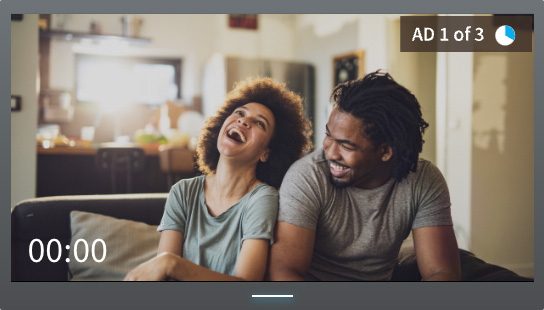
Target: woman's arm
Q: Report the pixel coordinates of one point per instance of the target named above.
(251, 266)
(171, 241)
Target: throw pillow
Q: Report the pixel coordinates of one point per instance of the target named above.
(128, 244)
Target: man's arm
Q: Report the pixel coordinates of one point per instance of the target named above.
(437, 253)
(291, 254)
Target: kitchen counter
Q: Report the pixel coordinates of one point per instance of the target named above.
(65, 170)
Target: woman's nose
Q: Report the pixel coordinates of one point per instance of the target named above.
(242, 121)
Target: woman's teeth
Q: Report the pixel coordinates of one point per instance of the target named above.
(237, 135)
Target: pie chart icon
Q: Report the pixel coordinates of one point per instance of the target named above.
(505, 35)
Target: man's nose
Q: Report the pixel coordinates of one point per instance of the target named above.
(331, 149)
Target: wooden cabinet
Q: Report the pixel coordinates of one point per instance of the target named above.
(72, 171)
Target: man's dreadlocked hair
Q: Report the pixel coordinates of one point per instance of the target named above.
(390, 114)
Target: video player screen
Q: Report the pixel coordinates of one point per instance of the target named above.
(92, 179)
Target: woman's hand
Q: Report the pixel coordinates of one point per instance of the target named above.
(167, 266)
(157, 269)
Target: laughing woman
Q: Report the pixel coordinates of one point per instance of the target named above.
(219, 226)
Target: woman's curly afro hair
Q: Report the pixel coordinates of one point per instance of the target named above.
(290, 139)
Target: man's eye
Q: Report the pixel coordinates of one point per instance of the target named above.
(328, 135)
(347, 147)
(260, 124)
(239, 112)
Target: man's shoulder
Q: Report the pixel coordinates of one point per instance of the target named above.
(312, 168)
(425, 166)
(426, 174)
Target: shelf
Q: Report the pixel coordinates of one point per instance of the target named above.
(68, 150)
(78, 36)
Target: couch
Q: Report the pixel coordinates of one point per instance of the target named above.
(127, 223)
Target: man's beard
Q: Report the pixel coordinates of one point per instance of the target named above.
(337, 183)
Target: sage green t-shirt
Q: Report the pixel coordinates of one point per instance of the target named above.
(215, 242)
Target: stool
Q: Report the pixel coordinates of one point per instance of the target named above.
(176, 162)
(118, 158)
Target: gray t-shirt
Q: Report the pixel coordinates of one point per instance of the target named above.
(359, 231)
(215, 242)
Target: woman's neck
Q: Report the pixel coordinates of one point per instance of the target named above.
(228, 185)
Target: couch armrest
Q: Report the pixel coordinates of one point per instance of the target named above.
(49, 218)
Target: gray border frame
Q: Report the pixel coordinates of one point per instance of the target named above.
(331, 295)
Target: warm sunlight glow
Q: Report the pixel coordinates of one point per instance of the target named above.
(107, 81)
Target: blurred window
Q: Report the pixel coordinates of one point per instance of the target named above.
(104, 79)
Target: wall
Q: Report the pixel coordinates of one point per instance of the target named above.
(503, 160)
(454, 123)
(24, 74)
(319, 38)
(274, 38)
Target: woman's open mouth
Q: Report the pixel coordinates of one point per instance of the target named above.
(236, 135)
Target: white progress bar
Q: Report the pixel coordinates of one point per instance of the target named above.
(273, 296)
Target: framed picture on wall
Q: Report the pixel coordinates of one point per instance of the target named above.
(243, 21)
(348, 67)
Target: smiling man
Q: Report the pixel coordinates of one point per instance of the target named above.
(346, 208)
